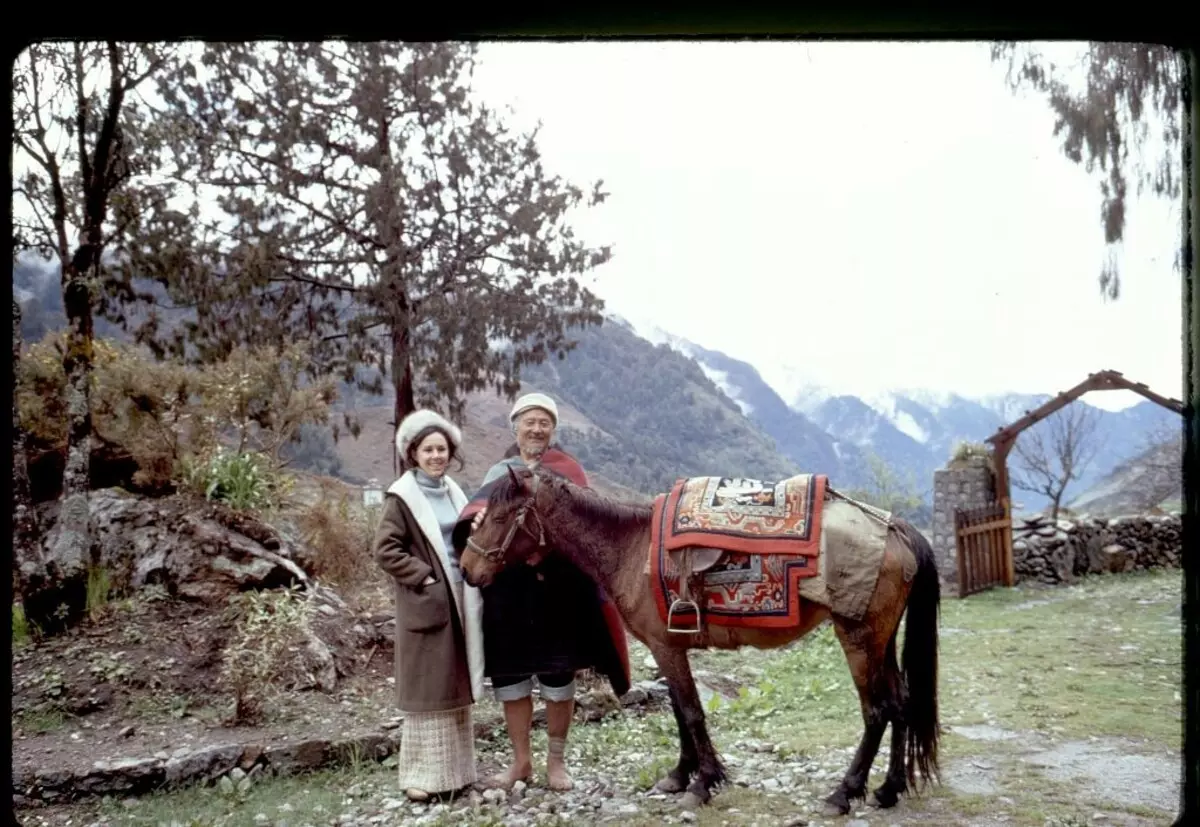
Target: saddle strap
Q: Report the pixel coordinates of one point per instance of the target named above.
(685, 575)
(871, 511)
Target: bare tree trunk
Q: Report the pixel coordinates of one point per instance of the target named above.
(402, 381)
(77, 367)
(28, 565)
(393, 282)
(60, 600)
(69, 542)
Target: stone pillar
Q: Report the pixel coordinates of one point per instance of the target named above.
(959, 486)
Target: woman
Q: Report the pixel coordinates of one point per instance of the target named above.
(439, 642)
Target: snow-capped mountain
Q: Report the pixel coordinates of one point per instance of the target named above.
(914, 430)
(796, 436)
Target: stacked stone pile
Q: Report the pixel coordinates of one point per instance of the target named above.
(1059, 551)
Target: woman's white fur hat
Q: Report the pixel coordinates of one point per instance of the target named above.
(418, 421)
(534, 400)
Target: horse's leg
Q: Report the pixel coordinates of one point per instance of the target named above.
(865, 655)
(677, 779)
(709, 771)
(888, 793)
(912, 701)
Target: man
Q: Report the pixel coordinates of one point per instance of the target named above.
(546, 619)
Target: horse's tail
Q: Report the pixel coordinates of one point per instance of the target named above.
(920, 659)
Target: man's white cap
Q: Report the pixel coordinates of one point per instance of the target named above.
(534, 400)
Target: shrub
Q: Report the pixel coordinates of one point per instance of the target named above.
(270, 627)
(143, 406)
(965, 453)
(892, 492)
(261, 400)
(340, 536)
(244, 481)
(164, 413)
(21, 631)
(99, 585)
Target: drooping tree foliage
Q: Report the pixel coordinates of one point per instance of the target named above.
(1125, 118)
(367, 204)
(77, 187)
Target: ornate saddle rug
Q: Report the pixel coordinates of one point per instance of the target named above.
(750, 516)
(743, 545)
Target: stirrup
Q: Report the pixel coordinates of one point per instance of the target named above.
(684, 606)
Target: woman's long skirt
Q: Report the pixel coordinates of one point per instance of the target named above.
(437, 750)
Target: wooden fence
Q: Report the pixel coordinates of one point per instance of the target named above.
(983, 540)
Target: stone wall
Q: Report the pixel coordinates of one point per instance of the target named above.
(1060, 551)
(959, 486)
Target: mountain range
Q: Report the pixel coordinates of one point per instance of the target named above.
(643, 407)
(913, 431)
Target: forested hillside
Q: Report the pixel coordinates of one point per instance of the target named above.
(657, 416)
(645, 414)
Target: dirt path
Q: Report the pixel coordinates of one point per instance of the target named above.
(1109, 771)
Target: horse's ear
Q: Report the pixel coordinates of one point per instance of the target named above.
(523, 478)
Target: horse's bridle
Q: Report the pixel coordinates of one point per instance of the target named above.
(525, 509)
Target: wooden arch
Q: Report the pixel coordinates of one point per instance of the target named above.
(1106, 380)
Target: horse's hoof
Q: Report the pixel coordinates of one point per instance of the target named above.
(690, 801)
(835, 808)
(884, 798)
(668, 785)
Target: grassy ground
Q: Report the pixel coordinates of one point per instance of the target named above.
(1060, 707)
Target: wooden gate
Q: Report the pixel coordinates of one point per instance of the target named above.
(983, 540)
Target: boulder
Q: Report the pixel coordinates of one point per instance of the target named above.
(1115, 558)
(196, 549)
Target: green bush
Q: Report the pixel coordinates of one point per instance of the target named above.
(271, 625)
(21, 632)
(162, 412)
(971, 452)
(340, 534)
(99, 584)
(244, 481)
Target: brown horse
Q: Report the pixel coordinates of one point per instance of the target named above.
(609, 541)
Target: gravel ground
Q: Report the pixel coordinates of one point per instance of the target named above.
(1055, 715)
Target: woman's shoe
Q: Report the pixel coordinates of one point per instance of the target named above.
(415, 794)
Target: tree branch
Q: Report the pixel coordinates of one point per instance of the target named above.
(293, 276)
(82, 108)
(52, 169)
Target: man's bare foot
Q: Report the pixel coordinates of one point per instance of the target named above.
(557, 775)
(516, 772)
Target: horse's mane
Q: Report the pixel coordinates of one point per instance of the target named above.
(589, 502)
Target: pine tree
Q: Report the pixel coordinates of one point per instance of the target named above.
(370, 206)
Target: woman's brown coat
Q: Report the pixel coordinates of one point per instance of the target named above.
(432, 673)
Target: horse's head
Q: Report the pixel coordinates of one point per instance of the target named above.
(511, 530)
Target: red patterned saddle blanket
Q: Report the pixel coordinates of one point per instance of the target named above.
(735, 549)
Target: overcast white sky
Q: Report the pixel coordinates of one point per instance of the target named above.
(877, 215)
(864, 216)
